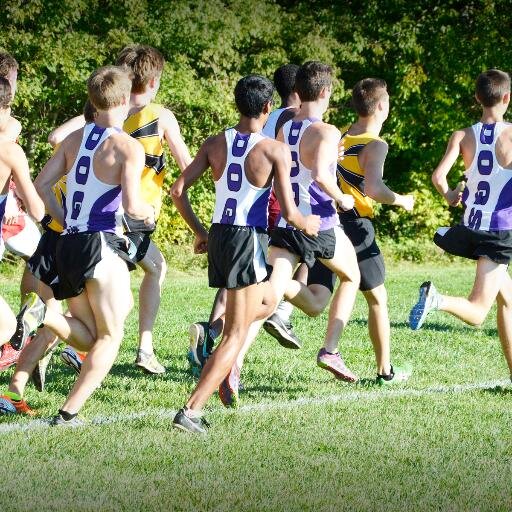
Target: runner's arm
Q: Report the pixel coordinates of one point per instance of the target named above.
(180, 197)
(372, 159)
(172, 135)
(441, 172)
(61, 132)
(282, 163)
(325, 157)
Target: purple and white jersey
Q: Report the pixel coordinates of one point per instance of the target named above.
(269, 130)
(309, 197)
(91, 205)
(237, 201)
(3, 202)
(488, 193)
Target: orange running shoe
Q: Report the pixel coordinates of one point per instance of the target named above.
(10, 406)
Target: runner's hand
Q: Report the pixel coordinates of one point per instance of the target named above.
(346, 202)
(407, 202)
(201, 243)
(312, 225)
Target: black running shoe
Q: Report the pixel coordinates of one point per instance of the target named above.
(193, 425)
(282, 331)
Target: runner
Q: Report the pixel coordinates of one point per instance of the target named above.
(485, 233)
(243, 163)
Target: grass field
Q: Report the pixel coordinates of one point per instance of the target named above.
(301, 441)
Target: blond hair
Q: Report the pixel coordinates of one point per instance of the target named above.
(107, 87)
(146, 63)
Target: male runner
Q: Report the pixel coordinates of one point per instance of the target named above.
(360, 174)
(103, 166)
(243, 163)
(42, 269)
(203, 334)
(314, 149)
(485, 233)
(150, 124)
(13, 164)
(19, 232)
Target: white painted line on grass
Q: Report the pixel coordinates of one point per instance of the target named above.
(350, 396)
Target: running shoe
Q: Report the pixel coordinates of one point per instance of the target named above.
(10, 406)
(29, 319)
(201, 346)
(282, 331)
(59, 421)
(8, 356)
(398, 375)
(335, 364)
(194, 425)
(72, 358)
(429, 300)
(149, 363)
(39, 373)
(229, 387)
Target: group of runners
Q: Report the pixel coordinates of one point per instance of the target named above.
(293, 215)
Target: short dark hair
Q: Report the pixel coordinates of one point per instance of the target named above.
(311, 78)
(5, 93)
(252, 93)
(284, 80)
(491, 85)
(7, 64)
(366, 94)
(89, 111)
(145, 61)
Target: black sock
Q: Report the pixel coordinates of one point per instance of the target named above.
(67, 415)
(387, 376)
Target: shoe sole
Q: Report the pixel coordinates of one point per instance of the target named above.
(19, 337)
(149, 370)
(6, 407)
(337, 374)
(71, 362)
(7, 364)
(184, 429)
(424, 313)
(274, 331)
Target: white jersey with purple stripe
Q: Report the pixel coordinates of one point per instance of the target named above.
(488, 194)
(3, 202)
(309, 197)
(237, 201)
(91, 205)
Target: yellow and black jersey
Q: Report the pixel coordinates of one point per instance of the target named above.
(59, 189)
(143, 126)
(350, 174)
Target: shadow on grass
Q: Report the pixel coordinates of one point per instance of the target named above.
(429, 326)
(498, 391)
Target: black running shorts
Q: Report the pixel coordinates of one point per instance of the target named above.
(469, 243)
(42, 263)
(307, 248)
(139, 241)
(77, 256)
(236, 256)
(361, 233)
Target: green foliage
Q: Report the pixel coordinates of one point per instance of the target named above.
(428, 52)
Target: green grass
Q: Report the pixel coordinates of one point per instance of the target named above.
(371, 451)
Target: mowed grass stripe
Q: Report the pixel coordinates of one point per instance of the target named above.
(166, 414)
